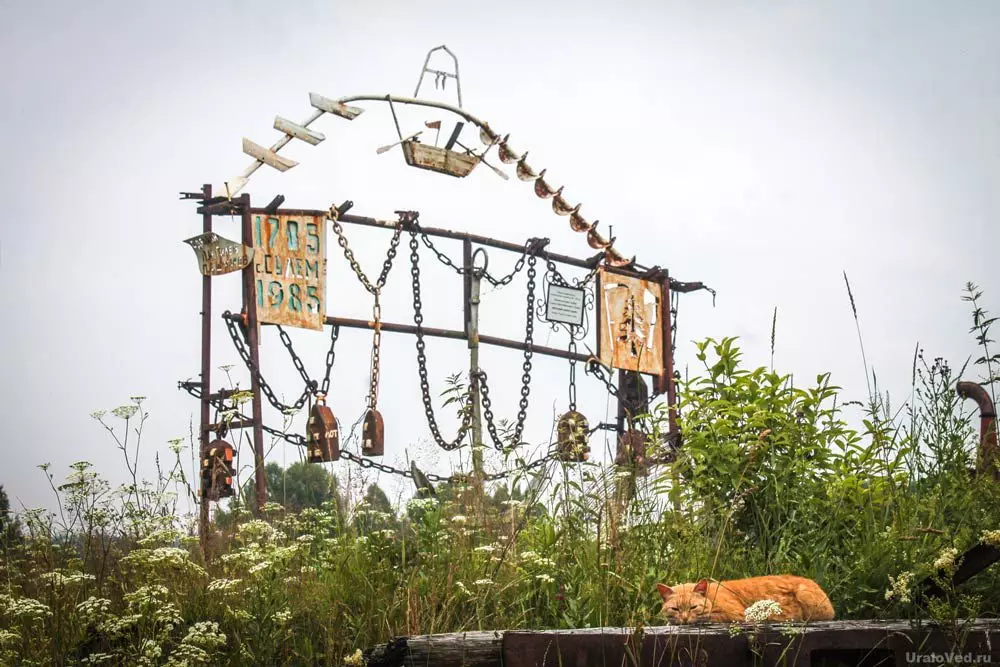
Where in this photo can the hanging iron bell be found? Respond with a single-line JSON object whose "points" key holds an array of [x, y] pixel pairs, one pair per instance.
{"points": [[572, 431], [373, 434], [632, 451], [322, 436]]}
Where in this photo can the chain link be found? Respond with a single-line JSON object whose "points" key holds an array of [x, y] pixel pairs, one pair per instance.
{"points": [[300, 441], [331, 356], [560, 279], [299, 366], [529, 332], [496, 282], [425, 392], [572, 375], [595, 368], [338, 229], [244, 353], [376, 353]]}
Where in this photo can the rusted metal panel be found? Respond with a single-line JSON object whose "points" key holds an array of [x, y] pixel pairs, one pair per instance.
{"points": [[631, 337], [290, 268], [300, 132], [268, 157], [218, 255], [437, 159]]}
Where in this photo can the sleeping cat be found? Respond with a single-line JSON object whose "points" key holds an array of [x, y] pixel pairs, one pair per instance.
{"points": [[800, 599]]}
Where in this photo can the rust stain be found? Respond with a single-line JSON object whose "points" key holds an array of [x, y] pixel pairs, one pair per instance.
{"points": [[218, 255], [437, 159], [631, 331], [290, 268]]}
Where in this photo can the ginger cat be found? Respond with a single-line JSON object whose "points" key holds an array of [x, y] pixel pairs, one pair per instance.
{"points": [[800, 599]]}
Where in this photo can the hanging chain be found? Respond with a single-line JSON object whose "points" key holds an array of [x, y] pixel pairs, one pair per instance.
{"points": [[572, 374], [529, 332], [299, 366], [595, 368], [334, 217], [425, 390], [331, 356], [376, 347], [300, 441], [244, 353], [496, 282], [559, 279]]}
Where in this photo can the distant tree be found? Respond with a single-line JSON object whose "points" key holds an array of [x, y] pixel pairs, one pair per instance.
{"points": [[10, 527], [376, 513], [299, 486]]}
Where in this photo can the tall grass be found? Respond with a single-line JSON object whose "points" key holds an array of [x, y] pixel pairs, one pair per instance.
{"points": [[770, 479]]}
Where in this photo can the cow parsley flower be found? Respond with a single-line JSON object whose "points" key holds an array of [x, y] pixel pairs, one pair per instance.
{"points": [[761, 610], [125, 412], [355, 659], [483, 582]]}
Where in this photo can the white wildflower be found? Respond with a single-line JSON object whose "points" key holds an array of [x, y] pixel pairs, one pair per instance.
{"points": [[305, 539], [946, 559], [125, 411], [544, 578], [761, 610], [462, 587], [28, 609], [991, 537], [283, 616], [487, 548], [483, 582], [355, 658], [98, 414], [223, 585], [260, 567], [459, 518], [899, 588]]}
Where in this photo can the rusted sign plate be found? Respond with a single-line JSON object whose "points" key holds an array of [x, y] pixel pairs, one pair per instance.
{"points": [[290, 269], [631, 332], [218, 255]]}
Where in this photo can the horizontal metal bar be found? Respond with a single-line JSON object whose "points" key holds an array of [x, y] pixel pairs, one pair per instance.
{"points": [[235, 424], [487, 241]]}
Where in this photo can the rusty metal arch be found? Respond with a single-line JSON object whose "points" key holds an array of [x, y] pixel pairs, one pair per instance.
{"points": [[342, 107]]}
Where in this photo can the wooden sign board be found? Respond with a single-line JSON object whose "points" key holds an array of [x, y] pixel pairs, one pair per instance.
{"points": [[290, 269], [631, 327]]}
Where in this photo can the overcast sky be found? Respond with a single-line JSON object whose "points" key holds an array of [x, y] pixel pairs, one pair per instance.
{"points": [[762, 148]]}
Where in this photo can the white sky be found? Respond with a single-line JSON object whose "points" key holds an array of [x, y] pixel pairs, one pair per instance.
{"points": [[760, 148]]}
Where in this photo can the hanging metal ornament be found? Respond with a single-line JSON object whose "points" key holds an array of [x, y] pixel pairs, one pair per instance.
{"points": [[373, 434], [577, 223], [487, 136], [631, 452], [595, 240], [373, 431], [507, 154], [560, 207], [542, 189], [614, 258], [572, 437], [524, 172], [322, 435]]}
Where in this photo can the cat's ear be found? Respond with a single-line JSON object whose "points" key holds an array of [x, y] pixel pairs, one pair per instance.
{"points": [[701, 587], [665, 591]]}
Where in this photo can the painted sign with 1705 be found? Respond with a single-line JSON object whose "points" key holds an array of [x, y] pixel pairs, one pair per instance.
{"points": [[290, 268]]}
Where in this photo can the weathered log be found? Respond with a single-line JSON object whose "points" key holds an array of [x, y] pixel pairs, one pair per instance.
{"points": [[456, 649], [826, 643]]}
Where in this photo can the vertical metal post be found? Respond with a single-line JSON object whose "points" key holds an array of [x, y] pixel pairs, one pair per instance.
{"points": [[250, 307], [667, 379], [206, 377], [472, 285]]}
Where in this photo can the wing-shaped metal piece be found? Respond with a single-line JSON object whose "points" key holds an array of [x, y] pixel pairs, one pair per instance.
{"points": [[524, 172]]}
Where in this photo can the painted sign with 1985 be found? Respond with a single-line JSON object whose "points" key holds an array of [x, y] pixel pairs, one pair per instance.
{"points": [[290, 269]]}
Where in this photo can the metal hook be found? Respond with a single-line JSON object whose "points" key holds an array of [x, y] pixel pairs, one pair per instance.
{"points": [[479, 271]]}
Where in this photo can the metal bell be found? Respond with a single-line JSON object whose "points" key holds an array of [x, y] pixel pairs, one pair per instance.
{"points": [[632, 451], [322, 436], [571, 432], [373, 434]]}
